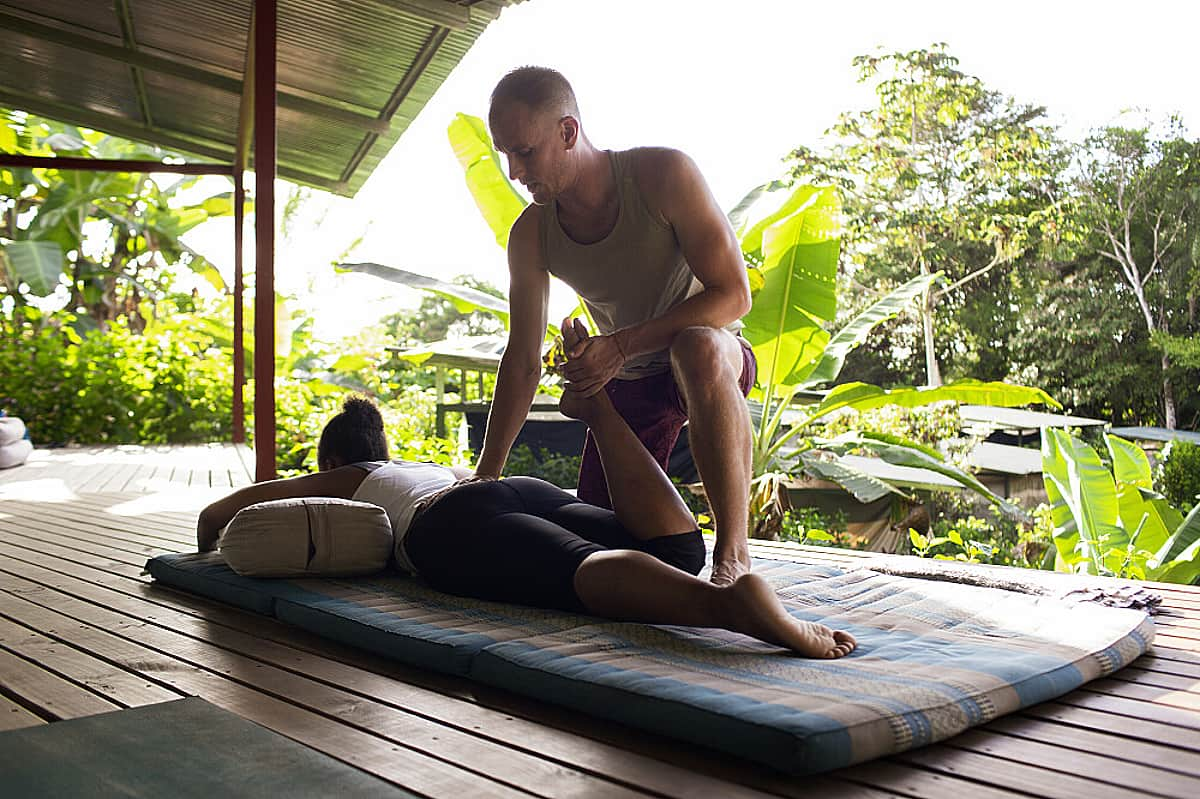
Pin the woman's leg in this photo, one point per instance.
(633, 586)
(647, 504)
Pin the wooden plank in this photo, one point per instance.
(1131, 776)
(1112, 724)
(1015, 775)
(523, 770)
(1186, 722)
(16, 717)
(49, 694)
(1149, 693)
(1162, 755)
(76, 665)
(125, 547)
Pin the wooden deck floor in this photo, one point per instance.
(83, 631)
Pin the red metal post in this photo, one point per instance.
(239, 350)
(265, 26)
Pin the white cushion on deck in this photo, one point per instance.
(15, 453)
(11, 429)
(308, 536)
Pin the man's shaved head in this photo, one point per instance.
(539, 88)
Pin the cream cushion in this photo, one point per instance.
(308, 536)
(15, 453)
(12, 429)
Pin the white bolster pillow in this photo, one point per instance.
(308, 537)
(11, 429)
(15, 453)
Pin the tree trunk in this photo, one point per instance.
(933, 375)
(1168, 394)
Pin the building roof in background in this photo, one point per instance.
(1005, 459)
(352, 74)
(1019, 419)
(477, 353)
(1156, 434)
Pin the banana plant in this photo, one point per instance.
(1111, 521)
(794, 298)
(59, 211)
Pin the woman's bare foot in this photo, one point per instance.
(585, 409)
(756, 611)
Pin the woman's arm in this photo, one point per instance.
(341, 482)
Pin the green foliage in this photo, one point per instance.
(494, 195)
(437, 318)
(809, 526)
(112, 386)
(303, 406)
(1107, 522)
(1179, 474)
(940, 174)
(962, 528)
(561, 470)
(109, 241)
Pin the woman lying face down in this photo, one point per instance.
(526, 541)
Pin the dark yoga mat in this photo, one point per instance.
(185, 748)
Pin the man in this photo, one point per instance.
(640, 238)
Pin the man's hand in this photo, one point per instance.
(725, 571)
(591, 360)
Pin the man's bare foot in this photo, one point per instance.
(726, 571)
(757, 611)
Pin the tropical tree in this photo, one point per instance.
(1139, 193)
(110, 239)
(942, 175)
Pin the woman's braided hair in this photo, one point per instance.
(354, 435)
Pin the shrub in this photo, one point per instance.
(562, 470)
(1179, 474)
(112, 386)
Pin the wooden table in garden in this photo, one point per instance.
(83, 631)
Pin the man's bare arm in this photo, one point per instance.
(674, 188)
(521, 365)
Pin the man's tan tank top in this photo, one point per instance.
(635, 273)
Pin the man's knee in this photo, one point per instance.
(702, 355)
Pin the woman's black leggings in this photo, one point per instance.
(521, 540)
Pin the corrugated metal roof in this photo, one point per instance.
(1019, 419)
(1156, 434)
(352, 73)
(1005, 459)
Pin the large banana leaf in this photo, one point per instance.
(899, 452)
(1089, 492)
(798, 294)
(864, 487)
(803, 198)
(1185, 539)
(1130, 464)
(464, 298)
(860, 327)
(491, 189)
(37, 263)
(738, 217)
(1145, 515)
(864, 396)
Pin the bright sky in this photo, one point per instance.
(736, 85)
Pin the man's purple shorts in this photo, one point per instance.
(654, 409)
